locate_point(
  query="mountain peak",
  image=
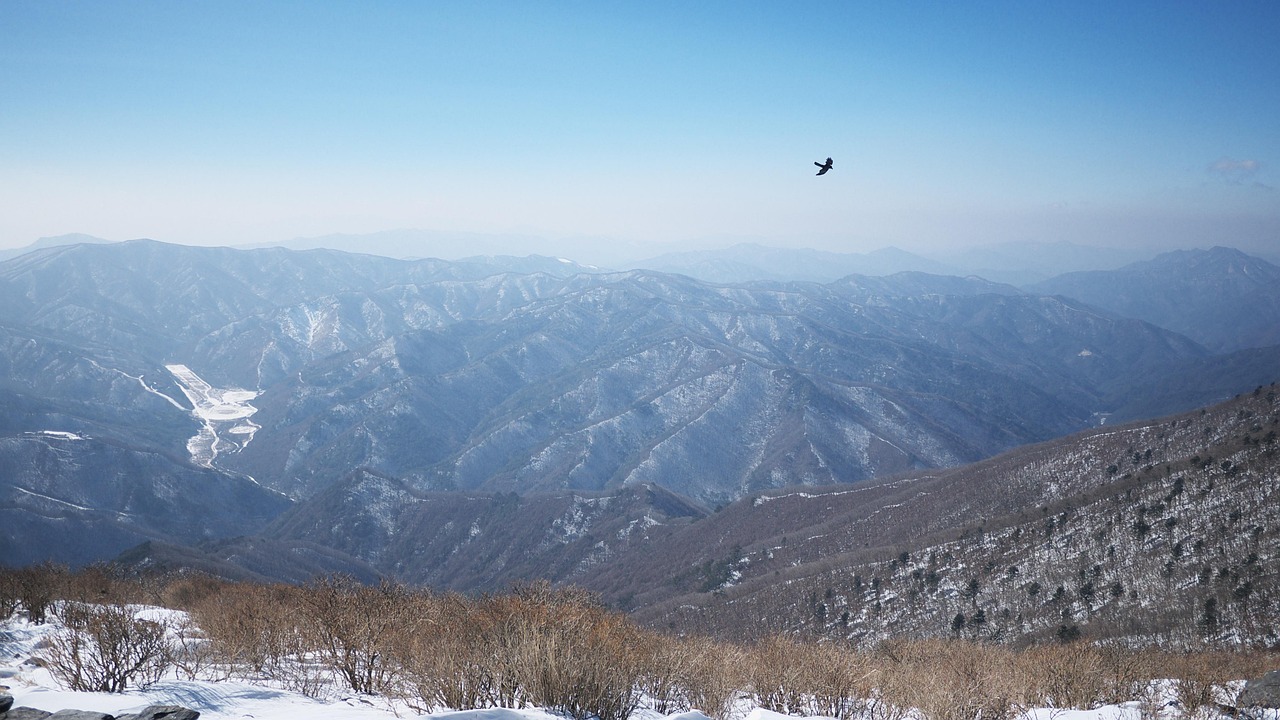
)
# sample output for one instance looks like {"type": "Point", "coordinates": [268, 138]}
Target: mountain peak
{"type": "Point", "coordinates": [1221, 297]}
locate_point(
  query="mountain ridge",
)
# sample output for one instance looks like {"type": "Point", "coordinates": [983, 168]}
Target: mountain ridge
{"type": "Point", "coordinates": [466, 377]}
{"type": "Point", "coordinates": [1157, 531]}
{"type": "Point", "coordinates": [1237, 296]}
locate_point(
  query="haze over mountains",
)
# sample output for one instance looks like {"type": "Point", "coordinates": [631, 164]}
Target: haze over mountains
{"type": "Point", "coordinates": [1221, 298]}
{"type": "Point", "coordinates": [387, 416]}
{"type": "Point", "coordinates": [712, 260]}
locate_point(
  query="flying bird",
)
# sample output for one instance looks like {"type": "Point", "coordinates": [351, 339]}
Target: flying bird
{"type": "Point", "coordinates": [822, 168]}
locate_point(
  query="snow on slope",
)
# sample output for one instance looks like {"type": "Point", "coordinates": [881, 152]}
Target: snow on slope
{"type": "Point", "coordinates": [225, 413]}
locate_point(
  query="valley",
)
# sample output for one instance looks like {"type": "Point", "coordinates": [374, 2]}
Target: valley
{"type": "Point", "coordinates": [683, 448]}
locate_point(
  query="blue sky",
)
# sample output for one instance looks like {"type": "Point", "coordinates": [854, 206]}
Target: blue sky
{"type": "Point", "coordinates": [672, 123]}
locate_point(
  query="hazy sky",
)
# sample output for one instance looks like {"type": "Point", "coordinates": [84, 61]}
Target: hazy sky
{"type": "Point", "coordinates": [950, 123]}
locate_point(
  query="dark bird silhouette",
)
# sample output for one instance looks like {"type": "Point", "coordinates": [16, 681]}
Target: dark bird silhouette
{"type": "Point", "coordinates": [822, 168]}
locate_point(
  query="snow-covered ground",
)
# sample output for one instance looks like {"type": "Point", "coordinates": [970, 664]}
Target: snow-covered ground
{"type": "Point", "coordinates": [224, 412]}
{"type": "Point", "coordinates": [33, 685]}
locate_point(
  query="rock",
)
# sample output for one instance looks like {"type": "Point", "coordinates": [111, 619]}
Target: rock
{"type": "Point", "coordinates": [151, 712]}
{"type": "Point", "coordinates": [1263, 692]}
{"type": "Point", "coordinates": [161, 712]}
{"type": "Point", "coordinates": [26, 713]}
{"type": "Point", "coordinates": [6, 702]}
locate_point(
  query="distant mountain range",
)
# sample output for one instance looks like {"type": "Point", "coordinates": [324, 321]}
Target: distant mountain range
{"type": "Point", "coordinates": [367, 414]}
{"type": "Point", "coordinates": [1022, 263]}
{"type": "Point", "coordinates": [49, 242]}
{"type": "Point", "coordinates": [1014, 263]}
{"type": "Point", "coordinates": [750, 262]}
{"type": "Point", "coordinates": [1221, 298]}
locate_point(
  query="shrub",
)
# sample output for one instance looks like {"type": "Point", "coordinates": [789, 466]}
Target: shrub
{"type": "Point", "coordinates": [685, 674]}
{"type": "Point", "coordinates": [775, 674]}
{"type": "Point", "coordinates": [259, 631]}
{"type": "Point", "coordinates": [1200, 681]}
{"type": "Point", "coordinates": [1123, 671]}
{"type": "Point", "coordinates": [794, 677]}
{"type": "Point", "coordinates": [441, 656]}
{"type": "Point", "coordinates": [552, 648]}
{"type": "Point", "coordinates": [563, 651]}
{"type": "Point", "coordinates": [352, 624]}
{"type": "Point", "coordinates": [9, 600]}
{"type": "Point", "coordinates": [38, 586]}
{"type": "Point", "coordinates": [950, 680]}
{"type": "Point", "coordinates": [1069, 676]}
{"type": "Point", "coordinates": [193, 654]}
{"type": "Point", "coordinates": [711, 677]}
{"type": "Point", "coordinates": [105, 648]}
{"type": "Point", "coordinates": [100, 583]}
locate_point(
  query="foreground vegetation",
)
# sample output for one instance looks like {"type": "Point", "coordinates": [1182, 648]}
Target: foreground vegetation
{"type": "Point", "coordinates": [559, 649]}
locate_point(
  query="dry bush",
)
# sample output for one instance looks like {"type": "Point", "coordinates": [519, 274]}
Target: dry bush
{"type": "Point", "coordinates": [1071, 676]}
{"type": "Point", "coordinates": [695, 674]}
{"type": "Point", "coordinates": [102, 583]}
{"type": "Point", "coordinates": [498, 621]}
{"type": "Point", "coordinates": [1201, 681]}
{"type": "Point", "coordinates": [554, 649]}
{"type": "Point", "coordinates": [716, 678]}
{"type": "Point", "coordinates": [585, 663]}
{"type": "Point", "coordinates": [1123, 671]}
{"type": "Point", "coordinates": [236, 619]}
{"type": "Point", "coordinates": [9, 600]}
{"type": "Point", "coordinates": [561, 650]}
{"type": "Point", "coordinates": [184, 592]}
{"type": "Point", "coordinates": [353, 625]}
{"type": "Point", "coordinates": [194, 656]}
{"type": "Point", "coordinates": [670, 660]}
{"type": "Point", "coordinates": [839, 681]}
{"type": "Point", "coordinates": [806, 678]}
{"type": "Point", "coordinates": [950, 680]}
{"type": "Point", "coordinates": [1149, 698]}
{"type": "Point", "coordinates": [776, 667]}
{"type": "Point", "coordinates": [1238, 664]}
{"type": "Point", "coordinates": [106, 648]}
{"type": "Point", "coordinates": [37, 586]}
{"type": "Point", "coordinates": [258, 631]}
{"type": "Point", "coordinates": [444, 658]}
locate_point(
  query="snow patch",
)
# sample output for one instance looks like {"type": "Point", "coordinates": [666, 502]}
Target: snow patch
{"type": "Point", "coordinates": [223, 412]}
{"type": "Point", "coordinates": [55, 434]}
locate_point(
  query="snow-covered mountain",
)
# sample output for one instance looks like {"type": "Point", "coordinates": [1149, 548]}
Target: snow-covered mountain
{"type": "Point", "coordinates": [1221, 298]}
{"type": "Point", "coordinates": [746, 262]}
{"type": "Point", "coordinates": [1162, 531]}
{"type": "Point", "coordinates": [1142, 526]}
{"type": "Point", "coordinates": [469, 377]}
